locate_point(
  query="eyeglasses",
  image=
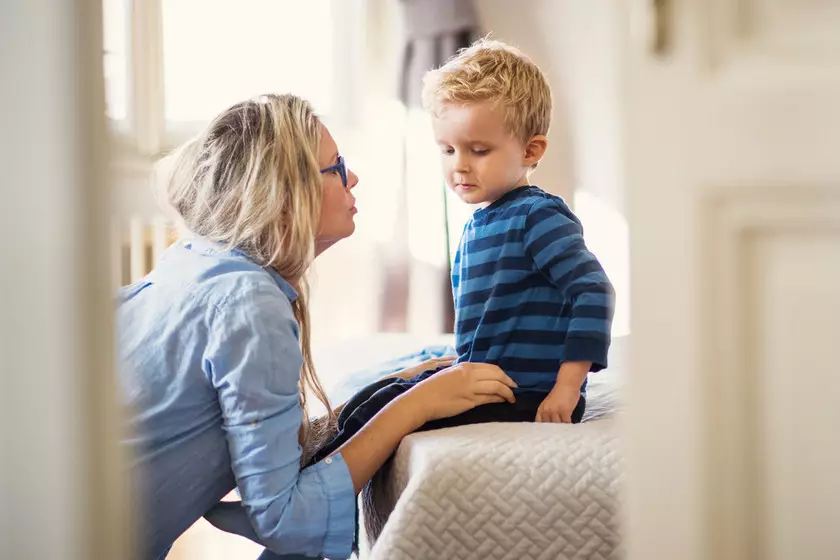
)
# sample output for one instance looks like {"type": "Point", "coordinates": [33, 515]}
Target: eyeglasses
{"type": "Point", "coordinates": [340, 167]}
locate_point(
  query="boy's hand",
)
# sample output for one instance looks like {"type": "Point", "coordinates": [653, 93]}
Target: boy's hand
{"type": "Point", "coordinates": [559, 405]}
{"type": "Point", "coordinates": [563, 399]}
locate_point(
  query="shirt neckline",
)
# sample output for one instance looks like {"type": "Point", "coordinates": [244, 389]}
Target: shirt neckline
{"type": "Point", "coordinates": [205, 246]}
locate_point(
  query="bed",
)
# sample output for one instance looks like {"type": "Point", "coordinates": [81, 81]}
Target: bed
{"type": "Point", "coordinates": [492, 491]}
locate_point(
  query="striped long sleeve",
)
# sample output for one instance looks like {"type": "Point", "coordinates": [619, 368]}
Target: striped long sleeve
{"type": "Point", "coordinates": [553, 238]}
{"type": "Point", "coordinates": [528, 293]}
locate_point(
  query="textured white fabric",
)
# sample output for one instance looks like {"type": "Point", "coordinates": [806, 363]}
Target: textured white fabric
{"type": "Point", "coordinates": [497, 491]}
{"type": "Point", "coordinates": [503, 491]}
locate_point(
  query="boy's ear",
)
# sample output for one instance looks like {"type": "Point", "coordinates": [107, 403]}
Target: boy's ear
{"type": "Point", "coordinates": [535, 150]}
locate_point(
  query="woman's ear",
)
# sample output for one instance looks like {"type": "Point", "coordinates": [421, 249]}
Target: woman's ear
{"type": "Point", "coordinates": [535, 150]}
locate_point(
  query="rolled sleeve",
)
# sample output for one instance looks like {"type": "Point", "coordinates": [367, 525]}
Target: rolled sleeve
{"type": "Point", "coordinates": [254, 363]}
{"type": "Point", "coordinates": [341, 496]}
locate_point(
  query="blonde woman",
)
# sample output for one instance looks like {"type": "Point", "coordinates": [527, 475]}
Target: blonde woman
{"type": "Point", "coordinates": [214, 343]}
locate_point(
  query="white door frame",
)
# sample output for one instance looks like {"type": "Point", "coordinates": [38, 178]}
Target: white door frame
{"type": "Point", "coordinates": [732, 143]}
{"type": "Point", "coordinates": [61, 480]}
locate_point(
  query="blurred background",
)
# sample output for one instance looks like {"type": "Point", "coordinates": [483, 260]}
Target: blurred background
{"type": "Point", "coordinates": [697, 140]}
{"type": "Point", "coordinates": [171, 65]}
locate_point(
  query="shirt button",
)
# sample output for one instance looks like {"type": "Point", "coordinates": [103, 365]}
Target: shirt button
{"type": "Point", "coordinates": [328, 460]}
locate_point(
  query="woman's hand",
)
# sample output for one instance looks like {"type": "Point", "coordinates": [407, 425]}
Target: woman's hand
{"type": "Point", "coordinates": [449, 392]}
{"type": "Point", "coordinates": [460, 388]}
{"type": "Point", "coordinates": [414, 371]}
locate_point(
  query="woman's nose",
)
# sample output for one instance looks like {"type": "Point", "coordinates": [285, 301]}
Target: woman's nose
{"type": "Point", "coordinates": [352, 179]}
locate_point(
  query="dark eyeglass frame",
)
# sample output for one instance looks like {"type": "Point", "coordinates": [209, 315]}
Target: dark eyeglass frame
{"type": "Point", "coordinates": [341, 168]}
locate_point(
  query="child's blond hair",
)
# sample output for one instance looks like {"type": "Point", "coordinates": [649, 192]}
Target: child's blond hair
{"type": "Point", "coordinates": [493, 71]}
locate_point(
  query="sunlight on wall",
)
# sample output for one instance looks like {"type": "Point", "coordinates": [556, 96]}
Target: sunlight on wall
{"type": "Point", "coordinates": [204, 40]}
{"type": "Point", "coordinates": [606, 234]}
{"type": "Point", "coordinates": [425, 186]}
{"type": "Point", "coordinates": [375, 152]}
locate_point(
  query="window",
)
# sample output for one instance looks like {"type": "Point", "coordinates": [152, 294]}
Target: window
{"type": "Point", "coordinates": [171, 65]}
{"type": "Point", "coordinates": [218, 52]}
{"type": "Point", "coordinates": [116, 58]}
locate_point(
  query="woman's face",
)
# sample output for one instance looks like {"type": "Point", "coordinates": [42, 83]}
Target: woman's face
{"type": "Point", "coordinates": [338, 206]}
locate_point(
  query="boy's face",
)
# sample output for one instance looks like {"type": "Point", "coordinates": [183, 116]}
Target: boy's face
{"type": "Point", "coordinates": [482, 161]}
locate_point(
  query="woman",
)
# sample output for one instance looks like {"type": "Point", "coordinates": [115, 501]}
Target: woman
{"type": "Point", "coordinates": [215, 351]}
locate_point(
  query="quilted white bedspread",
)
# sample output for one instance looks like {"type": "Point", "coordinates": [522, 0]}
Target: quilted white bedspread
{"type": "Point", "coordinates": [502, 491]}
{"type": "Point", "coordinates": [492, 491]}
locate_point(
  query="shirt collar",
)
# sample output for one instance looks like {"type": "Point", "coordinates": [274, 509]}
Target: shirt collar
{"type": "Point", "coordinates": [285, 287]}
{"type": "Point", "coordinates": [207, 247]}
{"type": "Point", "coordinates": [509, 196]}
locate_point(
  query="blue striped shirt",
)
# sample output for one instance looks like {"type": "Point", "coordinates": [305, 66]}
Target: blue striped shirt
{"type": "Point", "coordinates": [528, 294]}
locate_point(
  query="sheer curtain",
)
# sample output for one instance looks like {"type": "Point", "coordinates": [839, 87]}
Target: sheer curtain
{"type": "Point", "coordinates": [395, 270]}
{"type": "Point", "coordinates": [418, 291]}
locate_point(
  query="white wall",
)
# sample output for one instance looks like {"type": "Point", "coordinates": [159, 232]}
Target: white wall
{"type": "Point", "coordinates": [575, 43]}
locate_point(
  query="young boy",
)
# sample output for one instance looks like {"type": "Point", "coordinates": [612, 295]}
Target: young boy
{"type": "Point", "coordinates": [529, 296]}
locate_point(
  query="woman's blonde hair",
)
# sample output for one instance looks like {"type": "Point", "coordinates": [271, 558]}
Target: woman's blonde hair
{"type": "Point", "coordinates": [493, 71]}
{"type": "Point", "coordinates": [251, 182]}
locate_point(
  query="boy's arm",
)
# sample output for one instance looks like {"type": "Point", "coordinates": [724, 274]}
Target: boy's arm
{"type": "Point", "coordinates": [572, 374]}
{"type": "Point", "coordinates": [553, 238]}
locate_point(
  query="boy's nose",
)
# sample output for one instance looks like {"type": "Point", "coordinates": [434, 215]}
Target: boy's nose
{"type": "Point", "coordinates": [462, 164]}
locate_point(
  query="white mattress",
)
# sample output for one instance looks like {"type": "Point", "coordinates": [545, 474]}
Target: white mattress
{"type": "Point", "coordinates": [502, 491]}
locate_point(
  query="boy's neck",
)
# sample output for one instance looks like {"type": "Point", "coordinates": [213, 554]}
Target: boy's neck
{"type": "Point", "coordinates": [522, 183]}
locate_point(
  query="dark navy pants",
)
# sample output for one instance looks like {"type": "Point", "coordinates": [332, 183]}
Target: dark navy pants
{"type": "Point", "coordinates": [365, 404]}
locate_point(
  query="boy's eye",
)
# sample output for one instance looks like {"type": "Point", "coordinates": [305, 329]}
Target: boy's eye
{"type": "Point", "coordinates": [481, 152]}
{"type": "Point", "coordinates": [448, 151]}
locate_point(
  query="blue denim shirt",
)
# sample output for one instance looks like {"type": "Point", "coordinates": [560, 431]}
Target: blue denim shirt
{"type": "Point", "coordinates": [209, 369]}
